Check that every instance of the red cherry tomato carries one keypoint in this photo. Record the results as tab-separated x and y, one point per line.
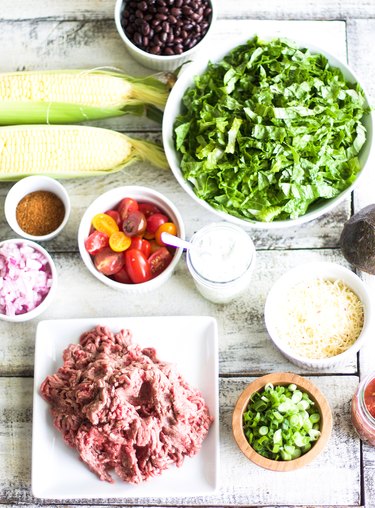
148	209
141	244
134	224
115	215
167	227
95	242
122	276
154	221
126	206
137	266
108	262
154	246
159	261
104	223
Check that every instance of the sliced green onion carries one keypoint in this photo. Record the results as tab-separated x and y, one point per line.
281	422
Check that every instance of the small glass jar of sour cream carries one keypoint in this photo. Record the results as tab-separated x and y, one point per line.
363	409
221	261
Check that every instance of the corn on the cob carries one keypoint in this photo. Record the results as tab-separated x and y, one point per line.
68	151
75	96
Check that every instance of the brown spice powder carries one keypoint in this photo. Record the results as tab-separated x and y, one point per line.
40	213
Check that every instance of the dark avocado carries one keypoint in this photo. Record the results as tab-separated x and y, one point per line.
357	239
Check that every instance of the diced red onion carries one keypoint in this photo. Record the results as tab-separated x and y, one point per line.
25	278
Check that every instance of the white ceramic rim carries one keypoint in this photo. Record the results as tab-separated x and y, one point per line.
158	58
308	271
112	198
172	108
20	318
24	187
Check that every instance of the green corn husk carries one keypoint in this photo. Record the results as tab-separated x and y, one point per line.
70	96
70	151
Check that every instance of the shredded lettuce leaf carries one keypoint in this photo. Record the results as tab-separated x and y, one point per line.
270	130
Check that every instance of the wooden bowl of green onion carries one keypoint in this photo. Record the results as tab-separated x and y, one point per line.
281	421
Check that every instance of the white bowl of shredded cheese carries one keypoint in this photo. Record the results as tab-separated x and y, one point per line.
318	315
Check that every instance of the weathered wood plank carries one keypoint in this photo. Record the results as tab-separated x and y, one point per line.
258	9
241	482
320	233
245	347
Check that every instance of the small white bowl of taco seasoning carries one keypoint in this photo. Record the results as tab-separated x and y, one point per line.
37	208
319	315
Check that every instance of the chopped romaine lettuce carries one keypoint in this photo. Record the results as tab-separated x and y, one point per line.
270	130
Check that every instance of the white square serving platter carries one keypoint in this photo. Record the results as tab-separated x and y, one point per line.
189	342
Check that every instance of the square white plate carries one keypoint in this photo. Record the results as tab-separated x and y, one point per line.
188	342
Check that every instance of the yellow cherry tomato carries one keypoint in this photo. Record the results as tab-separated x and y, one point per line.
105	224
119	242
167	227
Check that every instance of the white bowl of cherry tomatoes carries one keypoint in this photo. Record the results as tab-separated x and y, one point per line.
119	238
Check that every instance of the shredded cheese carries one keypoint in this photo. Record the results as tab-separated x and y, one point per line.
320	318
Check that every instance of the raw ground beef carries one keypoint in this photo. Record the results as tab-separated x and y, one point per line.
123	409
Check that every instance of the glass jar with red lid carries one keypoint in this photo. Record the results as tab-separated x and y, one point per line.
363	409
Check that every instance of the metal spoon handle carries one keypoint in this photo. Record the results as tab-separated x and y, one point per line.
175	241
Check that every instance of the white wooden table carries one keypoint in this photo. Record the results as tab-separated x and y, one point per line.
72	34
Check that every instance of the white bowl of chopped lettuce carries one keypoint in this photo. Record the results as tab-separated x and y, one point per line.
269	134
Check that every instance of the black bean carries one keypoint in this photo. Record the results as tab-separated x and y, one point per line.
137	38
155	50
187	10
142	6
165	27
156	41
145	28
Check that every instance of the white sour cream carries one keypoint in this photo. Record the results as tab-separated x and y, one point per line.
221	261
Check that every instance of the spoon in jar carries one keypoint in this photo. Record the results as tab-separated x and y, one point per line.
175	241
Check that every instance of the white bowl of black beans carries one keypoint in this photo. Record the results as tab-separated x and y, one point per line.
163	34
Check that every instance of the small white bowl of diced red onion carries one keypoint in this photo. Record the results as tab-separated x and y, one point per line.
120	238
28	280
